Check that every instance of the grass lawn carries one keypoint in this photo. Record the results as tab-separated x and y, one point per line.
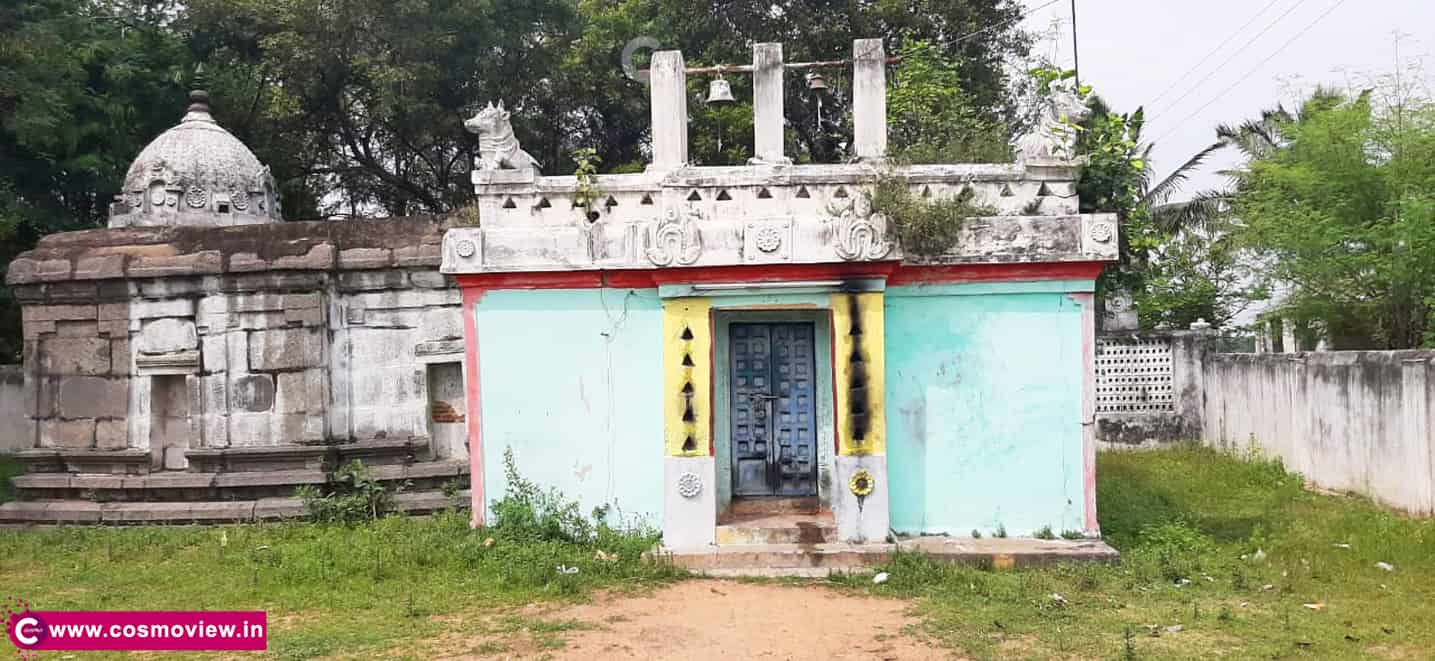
1182	518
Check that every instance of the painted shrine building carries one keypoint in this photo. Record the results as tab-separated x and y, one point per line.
693	345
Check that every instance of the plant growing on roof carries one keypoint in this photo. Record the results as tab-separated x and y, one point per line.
924	227
587	191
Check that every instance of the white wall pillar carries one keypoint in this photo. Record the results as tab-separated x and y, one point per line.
669	83
1416	434
1288	338
869	99
768	115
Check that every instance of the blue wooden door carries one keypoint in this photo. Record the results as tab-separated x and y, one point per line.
774	411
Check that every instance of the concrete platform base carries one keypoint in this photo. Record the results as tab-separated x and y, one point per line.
817	560
777	529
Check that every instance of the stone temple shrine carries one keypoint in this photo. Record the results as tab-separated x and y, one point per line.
701	348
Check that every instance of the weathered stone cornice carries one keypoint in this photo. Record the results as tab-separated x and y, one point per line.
177	251
807	214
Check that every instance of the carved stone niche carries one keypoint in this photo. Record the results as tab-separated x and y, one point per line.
167	346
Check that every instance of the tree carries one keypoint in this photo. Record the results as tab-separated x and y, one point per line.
931	120
976	36
1344	211
84	86
1253	139
363	101
1197	275
1178	261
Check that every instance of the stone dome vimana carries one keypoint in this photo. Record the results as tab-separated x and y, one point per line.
196	173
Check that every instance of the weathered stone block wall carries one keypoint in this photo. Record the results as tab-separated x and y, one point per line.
1361	421
17	430
77	363
254	336
390	326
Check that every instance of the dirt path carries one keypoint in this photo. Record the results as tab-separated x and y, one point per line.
706	619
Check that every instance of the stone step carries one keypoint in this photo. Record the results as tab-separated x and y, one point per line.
778	559
237	511
777	529
231	460
752	506
810	560
226	486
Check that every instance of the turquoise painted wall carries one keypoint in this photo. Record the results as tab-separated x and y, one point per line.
572	381
984	407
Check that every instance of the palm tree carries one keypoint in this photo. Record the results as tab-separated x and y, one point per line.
1255	139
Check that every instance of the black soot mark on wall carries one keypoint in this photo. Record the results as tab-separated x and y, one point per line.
857	377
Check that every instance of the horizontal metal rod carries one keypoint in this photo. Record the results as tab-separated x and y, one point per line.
796	66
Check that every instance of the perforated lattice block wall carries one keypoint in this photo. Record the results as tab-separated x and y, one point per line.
1133	375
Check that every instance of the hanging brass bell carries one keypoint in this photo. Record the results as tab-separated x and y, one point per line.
815	82
720	91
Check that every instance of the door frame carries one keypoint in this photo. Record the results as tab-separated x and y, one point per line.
821	320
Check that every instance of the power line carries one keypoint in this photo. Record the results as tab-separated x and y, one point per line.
1005	23
1075	51
1254	69
1233	56
1229	38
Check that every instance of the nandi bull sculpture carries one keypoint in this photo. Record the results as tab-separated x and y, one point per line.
497	147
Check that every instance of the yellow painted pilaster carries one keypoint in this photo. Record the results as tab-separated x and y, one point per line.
687	377
859	368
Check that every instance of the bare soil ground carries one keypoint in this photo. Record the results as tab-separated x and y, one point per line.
709	619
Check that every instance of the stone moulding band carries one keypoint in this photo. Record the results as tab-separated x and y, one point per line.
890	272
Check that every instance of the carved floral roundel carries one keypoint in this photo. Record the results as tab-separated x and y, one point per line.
1101	232
768	239
689	485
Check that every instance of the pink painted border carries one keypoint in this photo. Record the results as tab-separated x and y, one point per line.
471	296
1087	302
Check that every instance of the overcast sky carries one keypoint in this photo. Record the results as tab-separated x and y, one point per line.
1133	50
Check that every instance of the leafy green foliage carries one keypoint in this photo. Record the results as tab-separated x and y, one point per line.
931	120
808	31
1193	276
83	86
365	100
528	512
353	496
924	227
1344	213
586	166
1177	261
